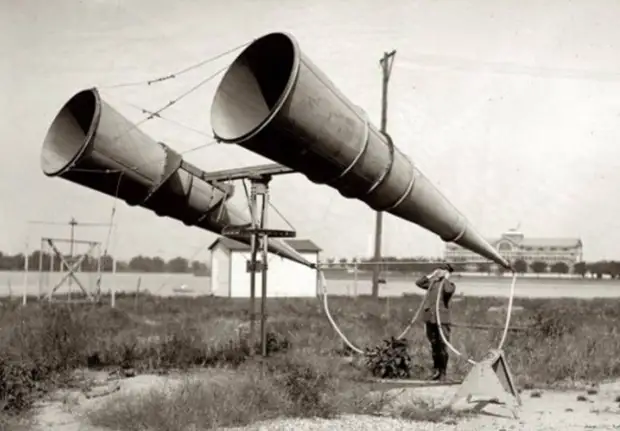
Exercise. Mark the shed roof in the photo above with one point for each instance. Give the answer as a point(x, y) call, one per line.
point(300, 245)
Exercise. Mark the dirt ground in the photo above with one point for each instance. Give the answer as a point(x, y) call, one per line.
point(540, 410)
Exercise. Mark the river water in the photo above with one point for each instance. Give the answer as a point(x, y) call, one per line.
point(12, 283)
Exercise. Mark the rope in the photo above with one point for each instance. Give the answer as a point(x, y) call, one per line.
point(506, 324)
point(174, 75)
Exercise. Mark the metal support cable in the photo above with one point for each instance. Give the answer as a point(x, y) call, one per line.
point(176, 74)
point(172, 102)
point(170, 120)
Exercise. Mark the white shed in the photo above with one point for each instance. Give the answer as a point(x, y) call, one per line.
point(230, 276)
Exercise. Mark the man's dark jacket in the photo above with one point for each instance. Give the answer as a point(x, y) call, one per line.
point(432, 284)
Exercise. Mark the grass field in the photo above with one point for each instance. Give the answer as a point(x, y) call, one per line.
point(42, 345)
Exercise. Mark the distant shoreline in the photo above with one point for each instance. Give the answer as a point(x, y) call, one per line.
point(367, 275)
point(331, 274)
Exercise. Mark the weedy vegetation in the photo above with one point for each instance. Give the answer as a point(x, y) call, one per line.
point(41, 346)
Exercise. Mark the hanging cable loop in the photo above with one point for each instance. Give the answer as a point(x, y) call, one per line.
point(323, 283)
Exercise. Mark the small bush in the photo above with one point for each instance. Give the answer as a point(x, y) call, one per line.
point(194, 404)
point(291, 386)
point(390, 360)
point(42, 344)
point(549, 324)
point(309, 388)
point(18, 385)
point(423, 411)
point(46, 342)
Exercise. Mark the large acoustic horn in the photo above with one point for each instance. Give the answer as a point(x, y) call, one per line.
point(91, 144)
point(275, 102)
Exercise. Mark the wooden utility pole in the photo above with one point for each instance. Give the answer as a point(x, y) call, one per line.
point(386, 63)
point(73, 223)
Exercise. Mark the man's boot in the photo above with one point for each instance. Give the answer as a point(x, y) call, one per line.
point(436, 366)
point(443, 368)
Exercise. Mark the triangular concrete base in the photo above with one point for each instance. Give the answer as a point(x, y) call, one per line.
point(489, 382)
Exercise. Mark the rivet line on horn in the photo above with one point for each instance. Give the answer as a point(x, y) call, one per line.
point(460, 235)
point(357, 158)
point(207, 212)
point(407, 190)
point(171, 166)
point(211, 210)
point(388, 168)
point(190, 184)
point(219, 203)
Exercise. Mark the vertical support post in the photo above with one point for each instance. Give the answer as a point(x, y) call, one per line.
point(26, 264)
point(253, 264)
point(41, 266)
point(355, 274)
point(265, 240)
point(386, 66)
point(135, 299)
point(50, 270)
point(72, 223)
point(98, 279)
point(113, 270)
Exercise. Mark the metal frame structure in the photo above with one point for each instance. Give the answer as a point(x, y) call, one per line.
point(69, 265)
point(260, 177)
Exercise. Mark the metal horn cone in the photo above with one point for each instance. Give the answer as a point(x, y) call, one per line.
point(275, 102)
point(91, 144)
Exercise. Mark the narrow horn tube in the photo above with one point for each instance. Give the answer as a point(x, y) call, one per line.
point(91, 144)
point(275, 102)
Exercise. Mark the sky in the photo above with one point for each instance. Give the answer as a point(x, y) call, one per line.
point(511, 108)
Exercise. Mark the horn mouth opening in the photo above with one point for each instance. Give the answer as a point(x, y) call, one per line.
point(255, 87)
point(70, 133)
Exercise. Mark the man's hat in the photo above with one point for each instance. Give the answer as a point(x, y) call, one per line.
point(446, 267)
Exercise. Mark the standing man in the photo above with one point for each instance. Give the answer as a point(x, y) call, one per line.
point(432, 282)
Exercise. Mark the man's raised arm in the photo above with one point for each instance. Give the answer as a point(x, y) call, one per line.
point(423, 282)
